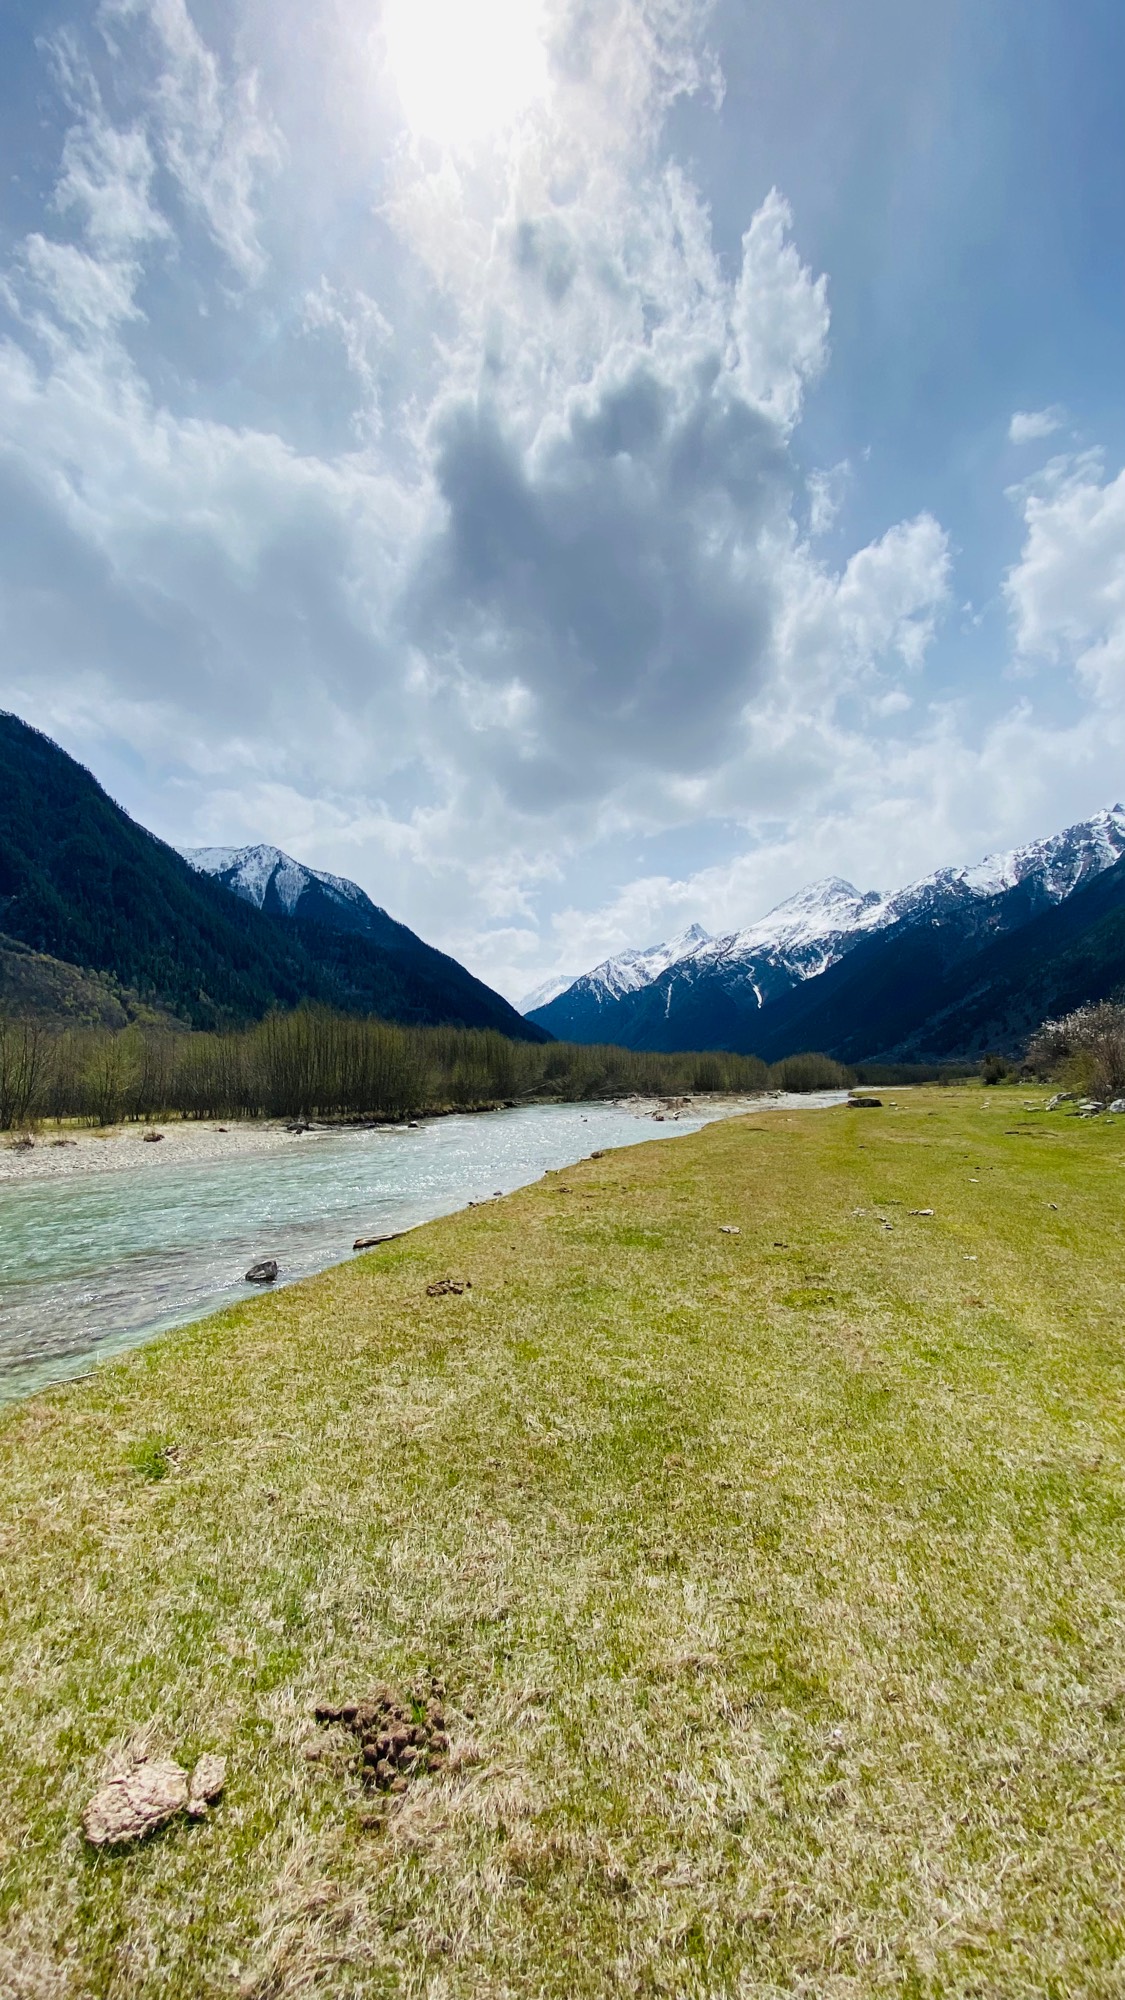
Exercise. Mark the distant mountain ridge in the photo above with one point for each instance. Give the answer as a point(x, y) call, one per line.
point(280, 887)
point(83, 886)
point(740, 990)
point(274, 882)
point(345, 932)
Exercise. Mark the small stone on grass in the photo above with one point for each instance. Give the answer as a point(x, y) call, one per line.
point(150, 1793)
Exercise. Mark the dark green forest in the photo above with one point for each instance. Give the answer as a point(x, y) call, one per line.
point(82, 883)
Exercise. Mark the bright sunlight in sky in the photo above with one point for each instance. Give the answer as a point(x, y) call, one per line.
point(464, 71)
point(574, 467)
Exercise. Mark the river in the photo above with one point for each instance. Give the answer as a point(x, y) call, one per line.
point(97, 1262)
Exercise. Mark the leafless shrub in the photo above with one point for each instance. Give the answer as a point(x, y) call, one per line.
point(1084, 1050)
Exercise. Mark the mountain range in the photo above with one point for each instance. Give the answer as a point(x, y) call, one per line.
point(102, 922)
point(966, 958)
point(218, 938)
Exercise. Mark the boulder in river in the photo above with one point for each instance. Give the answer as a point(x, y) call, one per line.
point(262, 1273)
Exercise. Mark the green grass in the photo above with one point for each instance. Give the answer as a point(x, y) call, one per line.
point(777, 1583)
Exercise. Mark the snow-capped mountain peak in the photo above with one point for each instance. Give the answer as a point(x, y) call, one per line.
point(808, 932)
point(272, 880)
point(541, 996)
point(822, 910)
point(1058, 865)
point(631, 970)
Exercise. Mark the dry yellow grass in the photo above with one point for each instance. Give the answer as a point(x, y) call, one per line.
point(776, 1582)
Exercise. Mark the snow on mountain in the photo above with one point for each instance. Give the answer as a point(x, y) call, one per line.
point(266, 877)
point(811, 930)
point(1059, 865)
point(799, 938)
point(550, 990)
point(632, 970)
point(818, 912)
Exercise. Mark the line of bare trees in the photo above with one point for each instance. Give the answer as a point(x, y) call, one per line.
point(313, 1063)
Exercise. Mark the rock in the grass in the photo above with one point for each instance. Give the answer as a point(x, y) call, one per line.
point(865, 1103)
point(729, 1229)
point(207, 1781)
point(1118, 1104)
point(262, 1273)
point(372, 1242)
point(1090, 1107)
point(919, 1211)
point(136, 1803)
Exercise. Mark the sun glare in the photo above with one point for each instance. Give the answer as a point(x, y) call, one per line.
point(465, 68)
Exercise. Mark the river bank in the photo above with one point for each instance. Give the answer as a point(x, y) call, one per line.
point(63, 1152)
point(111, 1239)
point(774, 1581)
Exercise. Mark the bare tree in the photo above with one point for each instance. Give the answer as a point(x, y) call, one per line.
point(24, 1053)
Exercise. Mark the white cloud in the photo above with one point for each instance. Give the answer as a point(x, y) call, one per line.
point(1067, 591)
point(365, 334)
point(881, 609)
point(780, 315)
point(213, 134)
point(106, 179)
point(553, 589)
point(827, 488)
point(1029, 426)
point(91, 295)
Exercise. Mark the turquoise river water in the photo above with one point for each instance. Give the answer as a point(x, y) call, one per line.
point(91, 1263)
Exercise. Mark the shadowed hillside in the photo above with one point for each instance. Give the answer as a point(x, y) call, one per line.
point(81, 882)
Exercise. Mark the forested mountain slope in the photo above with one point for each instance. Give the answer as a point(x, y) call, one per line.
point(83, 883)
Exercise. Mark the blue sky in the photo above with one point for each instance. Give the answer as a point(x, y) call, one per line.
point(595, 476)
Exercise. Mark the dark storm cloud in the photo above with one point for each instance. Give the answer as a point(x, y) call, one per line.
point(617, 573)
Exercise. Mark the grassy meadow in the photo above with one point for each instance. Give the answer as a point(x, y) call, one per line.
point(775, 1581)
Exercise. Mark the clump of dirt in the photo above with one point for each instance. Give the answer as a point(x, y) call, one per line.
point(147, 1793)
point(402, 1737)
point(444, 1288)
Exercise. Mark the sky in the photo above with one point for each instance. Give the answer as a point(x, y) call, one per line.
point(575, 467)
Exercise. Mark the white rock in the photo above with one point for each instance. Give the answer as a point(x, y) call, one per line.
point(136, 1802)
